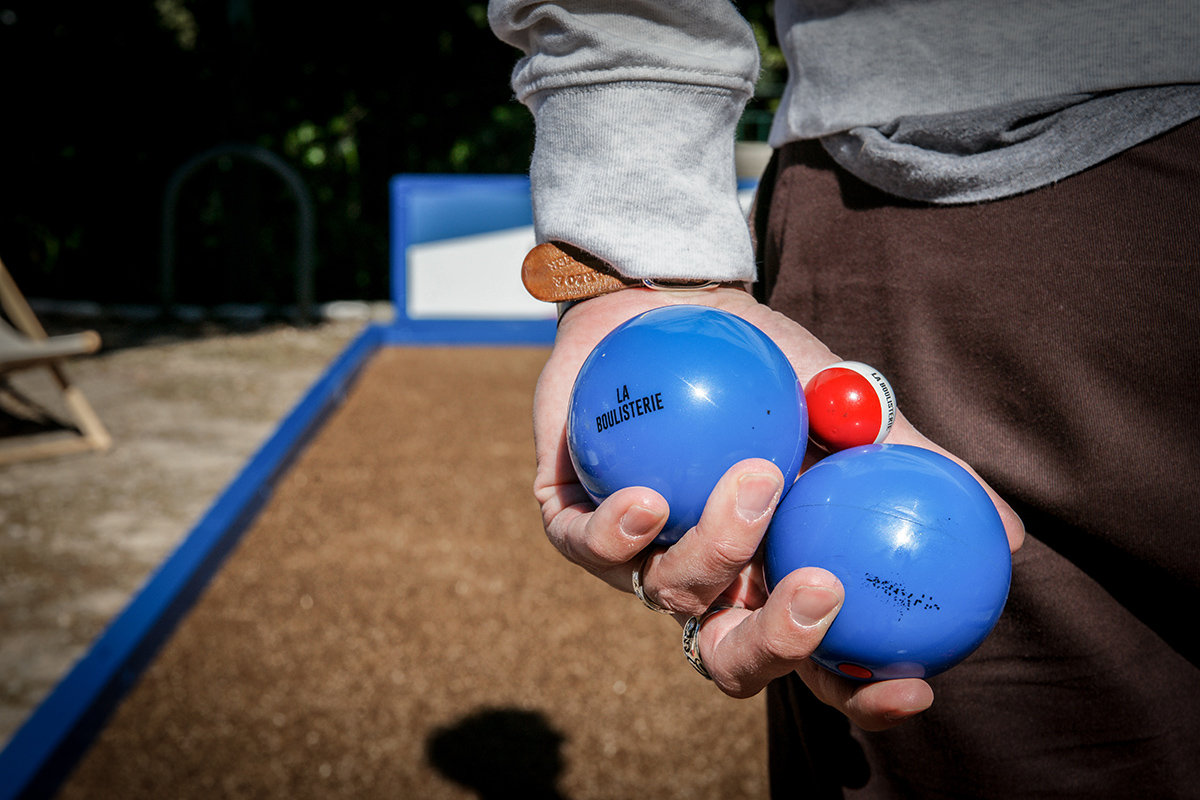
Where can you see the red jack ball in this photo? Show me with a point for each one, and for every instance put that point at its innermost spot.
(849, 404)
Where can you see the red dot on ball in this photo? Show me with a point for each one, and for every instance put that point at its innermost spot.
(855, 671)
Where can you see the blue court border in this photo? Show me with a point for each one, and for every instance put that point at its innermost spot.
(47, 747)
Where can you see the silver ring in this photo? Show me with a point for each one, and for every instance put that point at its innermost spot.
(640, 590)
(691, 638)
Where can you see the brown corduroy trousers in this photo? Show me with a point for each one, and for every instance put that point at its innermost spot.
(1052, 340)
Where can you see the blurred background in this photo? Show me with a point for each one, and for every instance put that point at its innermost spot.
(108, 103)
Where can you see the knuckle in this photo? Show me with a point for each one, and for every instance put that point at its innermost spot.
(589, 550)
(737, 680)
(558, 540)
(726, 555)
(575, 548)
(780, 646)
(735, 688)
(681, 601)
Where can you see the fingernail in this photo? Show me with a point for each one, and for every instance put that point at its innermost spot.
(811, 605)
(638, 521)
(755, 495)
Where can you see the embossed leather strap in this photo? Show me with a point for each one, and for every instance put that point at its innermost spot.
(556, 272)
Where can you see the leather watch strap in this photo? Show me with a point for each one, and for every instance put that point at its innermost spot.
(556, 272)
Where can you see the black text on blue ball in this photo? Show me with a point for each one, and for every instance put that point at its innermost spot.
(625, 411)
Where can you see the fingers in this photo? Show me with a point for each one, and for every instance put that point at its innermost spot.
(606, 541)
(744, 650)
(715, 557)
(871, 706)
(712, 559)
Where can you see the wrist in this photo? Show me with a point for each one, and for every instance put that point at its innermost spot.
(566, 275)
(671, 293)
(556, 272)
(613, 308)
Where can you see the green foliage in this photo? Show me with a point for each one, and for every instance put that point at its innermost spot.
(105, 101)
(760, 111)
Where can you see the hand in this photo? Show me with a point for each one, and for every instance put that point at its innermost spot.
(718, 562)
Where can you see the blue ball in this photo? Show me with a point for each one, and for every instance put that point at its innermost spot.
(673, 398)
(918, 546)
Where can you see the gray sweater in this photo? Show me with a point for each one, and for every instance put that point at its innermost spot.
(944, 101)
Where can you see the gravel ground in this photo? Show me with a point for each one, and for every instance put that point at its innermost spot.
(187, 405)
(392, 625)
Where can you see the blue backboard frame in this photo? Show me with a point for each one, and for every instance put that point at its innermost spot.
(427, 208)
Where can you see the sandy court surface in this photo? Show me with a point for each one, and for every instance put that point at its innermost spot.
(394, 624)
(187, 405)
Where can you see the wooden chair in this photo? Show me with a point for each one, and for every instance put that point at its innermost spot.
(25, 345)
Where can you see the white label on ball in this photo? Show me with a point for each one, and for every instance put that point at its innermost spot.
(883, 391)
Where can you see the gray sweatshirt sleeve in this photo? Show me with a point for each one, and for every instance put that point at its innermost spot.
(636, 103)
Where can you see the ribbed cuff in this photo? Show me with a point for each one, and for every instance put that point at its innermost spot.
(643, 175)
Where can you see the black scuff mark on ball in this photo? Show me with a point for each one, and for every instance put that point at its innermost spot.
(899, 595)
